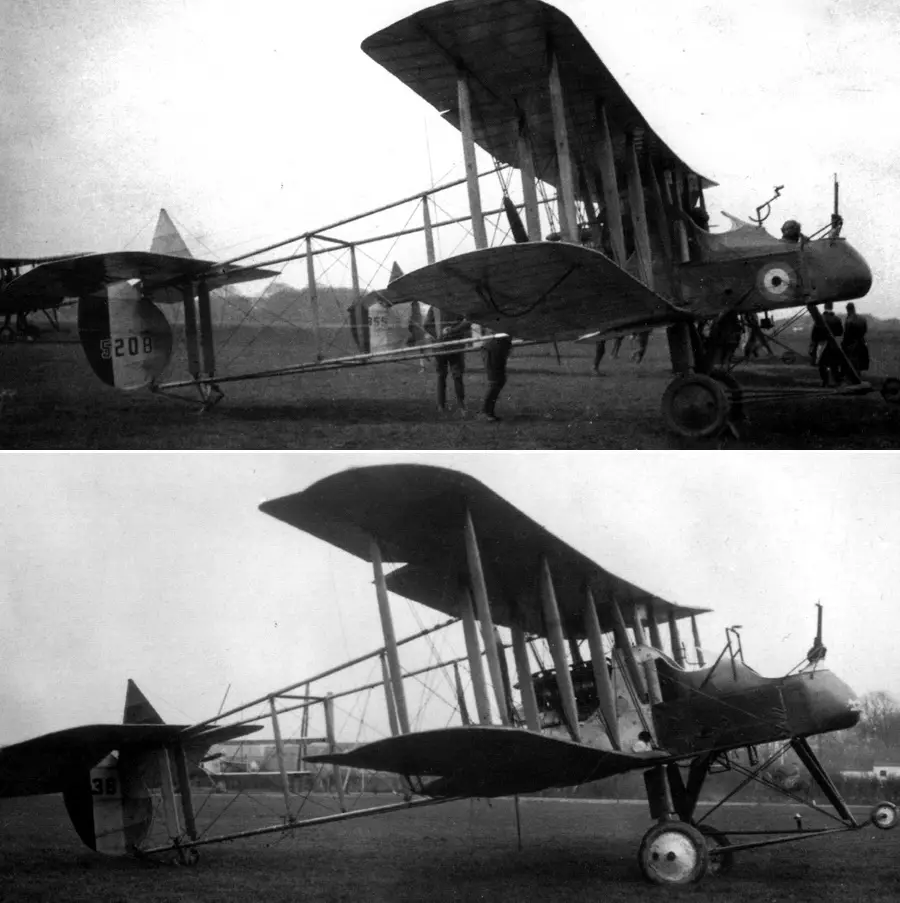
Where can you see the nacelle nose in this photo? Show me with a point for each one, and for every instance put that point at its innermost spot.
(838, 272)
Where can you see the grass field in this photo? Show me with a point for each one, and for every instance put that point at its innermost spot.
(60, 404)
(458, 851)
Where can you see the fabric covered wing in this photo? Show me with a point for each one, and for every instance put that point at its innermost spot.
(44, 764)
(48, 284)
(538, 290)
(417, 513)
(503, 46)
(487, 761)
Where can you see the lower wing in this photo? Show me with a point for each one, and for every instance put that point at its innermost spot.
(488, 761)
(537, 290)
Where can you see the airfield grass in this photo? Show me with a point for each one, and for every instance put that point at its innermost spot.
(457, 851)
(548, 404)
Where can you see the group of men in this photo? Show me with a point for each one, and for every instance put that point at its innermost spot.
(824, 354)
(495, 352)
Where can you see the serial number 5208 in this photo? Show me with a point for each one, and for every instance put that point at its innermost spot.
(126, 347)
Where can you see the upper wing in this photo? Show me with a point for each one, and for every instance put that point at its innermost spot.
(417, 513)
(503, 46)
(48, 284)
(539, 290)
(488, 761)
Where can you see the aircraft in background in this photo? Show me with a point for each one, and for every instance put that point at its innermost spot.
(622, 693)
(108, 772)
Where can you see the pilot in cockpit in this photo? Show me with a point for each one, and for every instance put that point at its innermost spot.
(790, 231)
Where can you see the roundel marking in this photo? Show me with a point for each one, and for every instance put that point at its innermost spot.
(776, 281)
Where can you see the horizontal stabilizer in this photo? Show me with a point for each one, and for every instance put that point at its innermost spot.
(539, 290)
(48, 284)
(487, 761)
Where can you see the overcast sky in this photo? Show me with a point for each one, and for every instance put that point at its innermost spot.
(257, 122)
(160, 568)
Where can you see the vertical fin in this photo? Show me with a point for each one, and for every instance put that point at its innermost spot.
(167, 239)
(137, 709)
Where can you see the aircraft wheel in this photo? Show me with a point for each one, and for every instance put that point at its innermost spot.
(7, 335)
(789, 357)
(890, 390)
(673, 853)
(721, 862)
(695, 406)
(884, 816)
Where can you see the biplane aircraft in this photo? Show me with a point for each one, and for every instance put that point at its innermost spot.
(620, 694)
(519, 80)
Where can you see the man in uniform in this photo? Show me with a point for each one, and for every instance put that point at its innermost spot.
(454, 361)
(495, 353)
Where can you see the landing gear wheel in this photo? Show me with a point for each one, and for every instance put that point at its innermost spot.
(696, 406)
(884, 816)
(890, 390)
(7, 335)
(673, 853)
(733, 391)
(721, 862)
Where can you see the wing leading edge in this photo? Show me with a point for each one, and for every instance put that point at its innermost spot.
(417, 513)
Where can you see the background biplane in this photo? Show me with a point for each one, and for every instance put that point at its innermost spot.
(621, 691)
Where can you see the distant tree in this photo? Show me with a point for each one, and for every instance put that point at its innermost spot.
(880, 718)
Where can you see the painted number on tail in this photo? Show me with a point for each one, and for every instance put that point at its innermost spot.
(131, 346)
(103, 786)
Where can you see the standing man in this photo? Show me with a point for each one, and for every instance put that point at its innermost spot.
(454, 361)
(495, 353)
(854, 341)
(599, 351)
(830, 362)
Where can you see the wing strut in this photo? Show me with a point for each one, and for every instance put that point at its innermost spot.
(557, 642)
(390, 639)
(482, 604)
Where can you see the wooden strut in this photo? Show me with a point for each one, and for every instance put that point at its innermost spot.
(701, 661)
(190, 329)
(279, 755)
(607, 167)
(390, 640)
(557, 642)
(167, 793)
(623, 644)
(483, 607)
(473, 651)
(653, 625)
(568, 221)
(675, 640)
(602, 681)
(207, 345)
(313, 295)
(523, 673)
(388, 696)
(184, 787)
(467, 131)
(304, 733)
(332, 749)
(529, 190)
